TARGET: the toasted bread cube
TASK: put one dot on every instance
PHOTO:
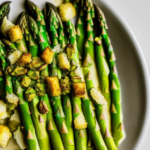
(67, 11)
(24, 59)
(47, 55)
(80, 122)
(63, 62)
(5, 135)
(79, 89)
(53, 86)
(15, 33)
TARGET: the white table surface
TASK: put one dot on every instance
(136, 14)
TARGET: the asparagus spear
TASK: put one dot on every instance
(11, 98)
(38, 15)
(31, 138)
(39, 119)
(2, 77)
(88, 63)
(76, 75)
(80, 26)
(66, 134)
(89, 112)
(117, 119)
(80, 134)
(52, 22)
(89, 60)
(51, 126)
(27, 121)
(100, 102)
(4, 10)
(68, 138)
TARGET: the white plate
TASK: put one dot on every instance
(131, 69)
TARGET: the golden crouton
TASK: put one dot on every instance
(63, 62)
(15, 33)
(53, 86)
(5, 135)
(67, 11)
(47, 55)
(79, 89)
(24, 59)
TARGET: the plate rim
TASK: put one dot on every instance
(145, 71)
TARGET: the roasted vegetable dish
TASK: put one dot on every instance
(59, 87)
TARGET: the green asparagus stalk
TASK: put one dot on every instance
(66, 134)
(4, 10)
(9, 93)
(89, 60)
(51, 126)
(80, 134)
(2, 77)
(67, 108)
(117, 119)
(39, 119)
(30, 134)
(52, 23)
(80, 26)
(64, 127)
(93, 125)
(100, 104)
(88, 63)
(38, 16)
(88, 55)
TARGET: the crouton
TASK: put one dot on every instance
(47, 55)
(63, 62)
(67, 11)
(24, 59)
(79, 89)
(15, 33)
(53, 86)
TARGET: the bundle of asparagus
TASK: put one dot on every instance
(67, 99)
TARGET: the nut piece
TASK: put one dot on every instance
(63, 62)
(65, 85)
(25, 81)
(70, 50)
(34, 75)
(24, 59)
(18, 71)
(15, 33)
(47, 55)
(30, 93)
(43, 107)
(53, 86)
(36, 63)
(67, 11)
(79, 89)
